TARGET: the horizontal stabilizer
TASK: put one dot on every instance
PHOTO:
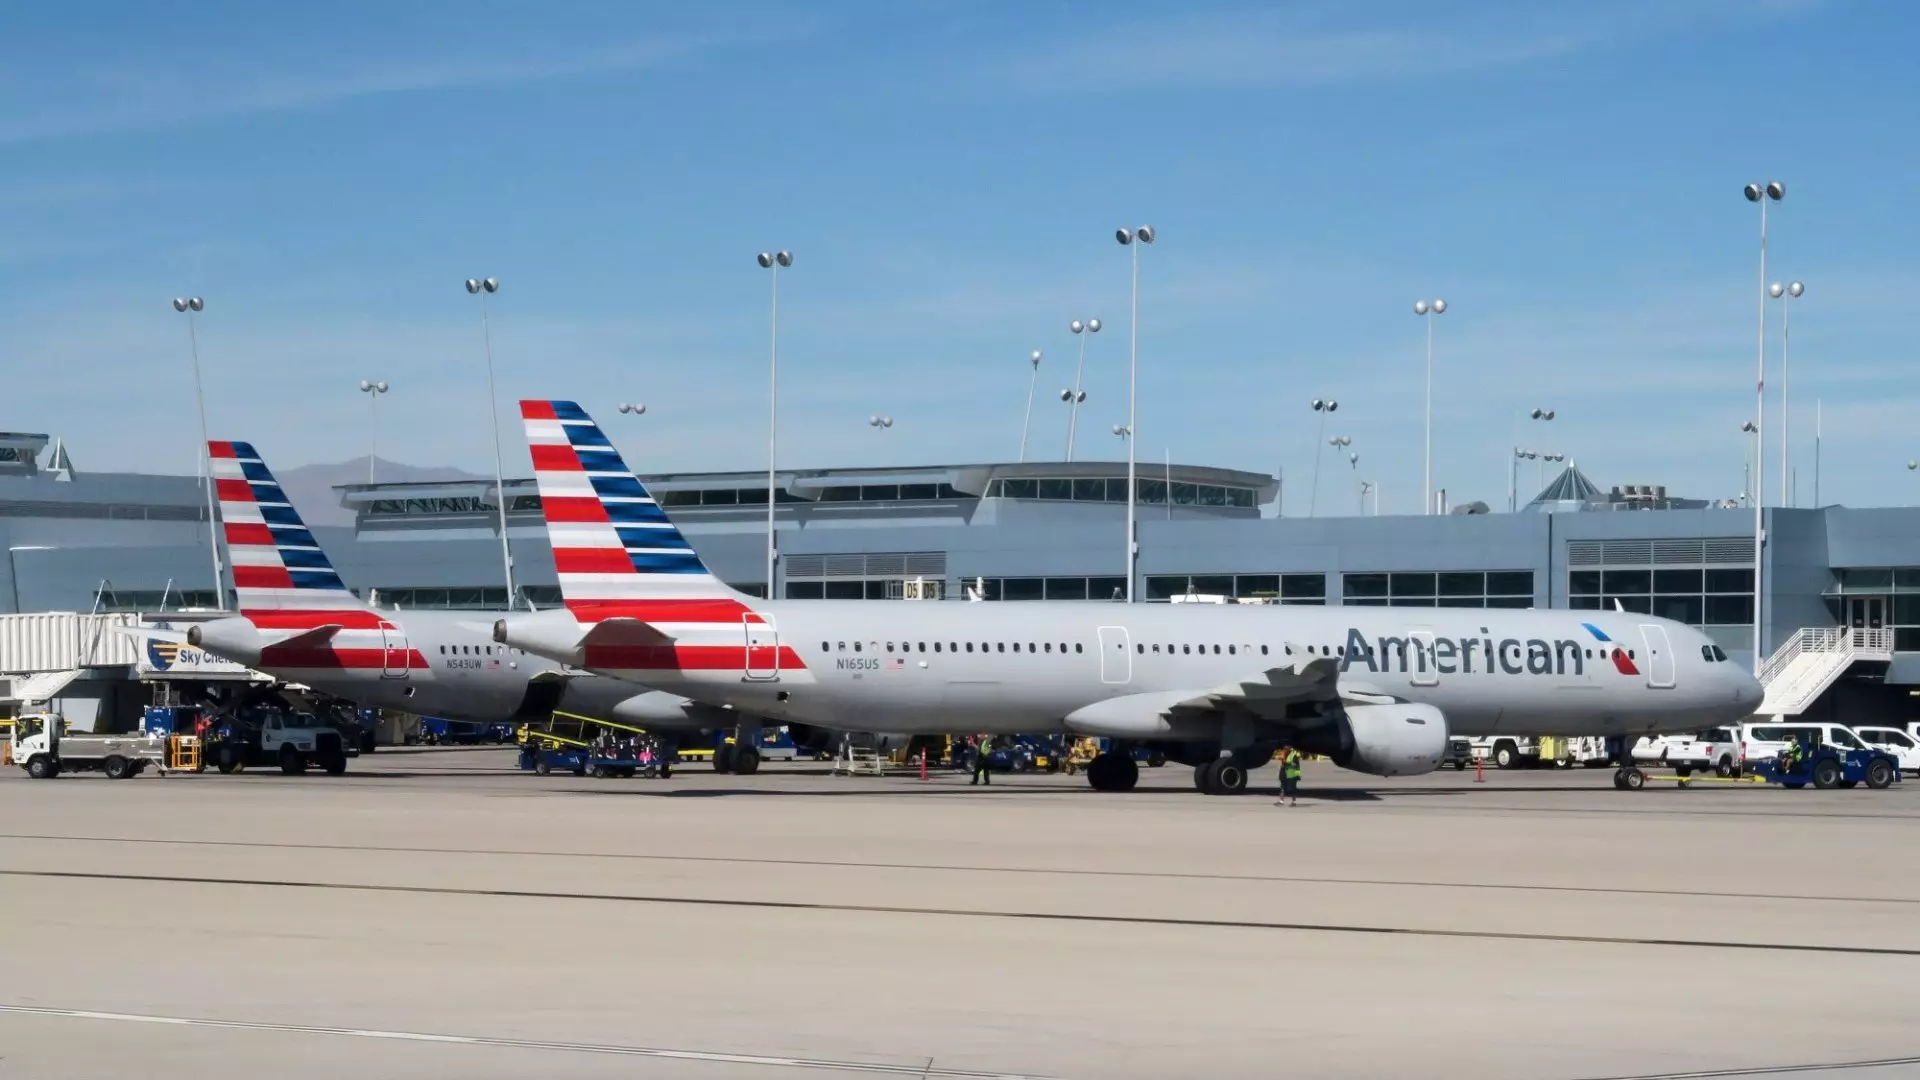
(625, 631)
(308, 639)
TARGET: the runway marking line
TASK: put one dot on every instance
(818, 1064)
(850, 864)
(1772, 1070)
(977, 913)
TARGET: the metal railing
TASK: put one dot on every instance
(1831, 640)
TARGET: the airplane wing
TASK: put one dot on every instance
(1266, 696)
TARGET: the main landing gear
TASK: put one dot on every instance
(1113, 771)
(1629, 778)
(1221, 776)
(735, 758)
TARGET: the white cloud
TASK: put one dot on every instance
(1312, 45)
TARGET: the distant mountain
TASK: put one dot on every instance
(310, 487)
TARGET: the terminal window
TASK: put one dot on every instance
(1279, 588)
(1697, 596)
(1450, 588)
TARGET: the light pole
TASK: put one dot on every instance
(1143, 235)
(1027, 424)
(776, 262)
(1366, 486)
(1353, 462)
(191, 306)
(1077, 395)
(1513, 472)
(373, 390)
(1424, 309)
(1323, 406)
(633, 408)
(881, 422)
(1752, 448)
(1773, 192)
(1540, 470)
(484, 288)
(1513, 476)
(1783, 293)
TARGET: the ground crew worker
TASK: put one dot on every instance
(1289, 774)
(982, 771)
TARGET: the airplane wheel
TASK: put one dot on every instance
(723, 759)
(1225, 777)
(746, 760)
(1203, 777)
(1113, 772)
(1633, 779)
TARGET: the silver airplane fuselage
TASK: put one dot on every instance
(1117, 669)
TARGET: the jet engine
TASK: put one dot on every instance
(1402, 739)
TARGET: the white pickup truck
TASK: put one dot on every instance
(1714, 749)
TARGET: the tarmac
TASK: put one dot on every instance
(436, 913)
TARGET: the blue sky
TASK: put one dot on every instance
(949, 176)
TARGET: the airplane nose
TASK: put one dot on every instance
(1748, 691)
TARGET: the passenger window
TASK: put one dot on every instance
(1030, 647)
(1230, 651)
(1216, 650)
(1076, 648)
(936, 646)
(889, 646)
(856, 646)
(443, 650)
(952, 646)
(1140, 648)
(1156, 648)
(1263, 650)
(843, 646)
(1003, 646)
(826, 646)
(1049, 647)
(923, 646)
(969, 646)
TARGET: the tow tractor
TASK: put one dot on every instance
(293, 741)
(41, 745)
(1829, 766)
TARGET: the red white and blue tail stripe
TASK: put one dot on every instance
(619, 556)
(284, 581)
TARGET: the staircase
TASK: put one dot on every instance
(1802, 668)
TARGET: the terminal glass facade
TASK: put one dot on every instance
(1097, 489)
(1464, 588)
(1282, 588)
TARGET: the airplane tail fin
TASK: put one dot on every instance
(277, 563)
(617, 553)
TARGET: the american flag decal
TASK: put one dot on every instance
(894, 663)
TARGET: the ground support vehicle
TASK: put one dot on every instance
(1459, 754)
(44, 751)
(1831, 767)
(293, 741)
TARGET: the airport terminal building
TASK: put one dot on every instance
(80, 541)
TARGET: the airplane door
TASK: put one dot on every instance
(763, 648)
(1116, 656)
(393, 652)
(1659, 658)
(1423, 666)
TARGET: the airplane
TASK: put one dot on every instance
(1378, 690)
(298, 622)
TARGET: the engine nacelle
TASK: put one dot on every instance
(1385, 740)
